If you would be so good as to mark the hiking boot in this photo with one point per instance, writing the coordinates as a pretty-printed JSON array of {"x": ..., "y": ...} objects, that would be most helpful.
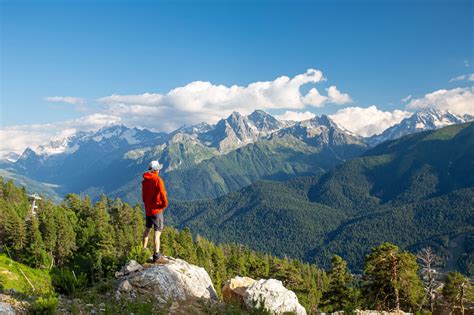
[{"x": 159, "y": 259}]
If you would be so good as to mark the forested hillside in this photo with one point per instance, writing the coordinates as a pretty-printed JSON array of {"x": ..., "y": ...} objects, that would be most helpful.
[
  {"x": 414, "y": 191},
  {"x": 276, "y": 159},
  {"x": 75, "y": 247}
]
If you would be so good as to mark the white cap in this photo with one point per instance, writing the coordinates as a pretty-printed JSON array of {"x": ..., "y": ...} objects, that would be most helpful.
[{"x": 155, "y": 166}]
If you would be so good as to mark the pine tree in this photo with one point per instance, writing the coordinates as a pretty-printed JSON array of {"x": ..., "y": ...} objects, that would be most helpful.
[
  {"x": 48, "y": 227},
  {"x": 13, "y": 228},
  {"x": 65, "y": 221},
  {"x": 456, "y": 291},
  {"x": 128, "y": 226},
  {"x": 185, "y": 246},
  {"x": 35, "y": 254},
  {"x": 391, "y": 279},
  {"x": 339, "y": 295}
]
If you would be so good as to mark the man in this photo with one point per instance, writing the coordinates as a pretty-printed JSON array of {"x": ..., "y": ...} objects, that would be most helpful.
[{"x": 154, "y": 198}]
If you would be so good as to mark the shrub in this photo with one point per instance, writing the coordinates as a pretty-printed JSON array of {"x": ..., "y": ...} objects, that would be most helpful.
[
  {"x": 139, "y": 254},
  {"x": 45, "y": 305},
  {"x": 65, "y": 281}
]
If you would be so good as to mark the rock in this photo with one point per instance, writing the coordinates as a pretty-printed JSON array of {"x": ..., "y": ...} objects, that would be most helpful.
[
  {"x": 131, "y": 266},
  {"x": 6, "y": 309},
  {"x": 275, "y": 297},
  {"x": 267, "y": 293},
  {"x": 176, "y": 280},
  {"x": 125, "y": 286},
  {"x": 233, "y": 291}
]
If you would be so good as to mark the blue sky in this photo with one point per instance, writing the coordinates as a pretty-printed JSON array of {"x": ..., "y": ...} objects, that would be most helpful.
[{"x": 378, "y": 52}]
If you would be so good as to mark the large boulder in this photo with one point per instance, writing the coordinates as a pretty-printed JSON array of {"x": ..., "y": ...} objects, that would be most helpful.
[
  {"x": 233, "y": 290},
  {"x": 267, "y": 293},
  {"x": 175, "y": 280}
]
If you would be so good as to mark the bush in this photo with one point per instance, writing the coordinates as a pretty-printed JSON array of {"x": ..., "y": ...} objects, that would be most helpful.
[
  {"x": 45, "y": 305},
  {"x": 139, "y": 254},
  {"x": 65, "y": 281}
]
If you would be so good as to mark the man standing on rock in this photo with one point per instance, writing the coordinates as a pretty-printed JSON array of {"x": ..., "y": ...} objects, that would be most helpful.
[{"x": 154, "y": 198}]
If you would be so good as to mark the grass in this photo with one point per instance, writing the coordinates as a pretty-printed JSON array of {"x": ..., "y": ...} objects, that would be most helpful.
[{"x": 12, "y": 278}]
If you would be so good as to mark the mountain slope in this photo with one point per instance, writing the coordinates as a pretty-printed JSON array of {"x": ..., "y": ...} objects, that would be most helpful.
[
  {"x": 314, "y": 148},
  {"x": 399, "y": 191}
]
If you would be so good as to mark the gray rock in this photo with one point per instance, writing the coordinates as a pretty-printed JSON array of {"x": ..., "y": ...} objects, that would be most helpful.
[
  {"x": 124, "y": 286},
  {"x": 274, "y": 296},
  {"x": 6, "y": 309},
  {"x": 176, "y": 280},
  {"x": 131, "y": 266}
]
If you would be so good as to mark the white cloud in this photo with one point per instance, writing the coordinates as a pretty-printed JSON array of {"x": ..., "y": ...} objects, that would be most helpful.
[
  {"x": 196, "y": 102},
  {"x": 335, "y": 96},
  {"x": 18, "y": 137},
  {"x": 313, "y": 98},
  {"x": 406, "y": 98},
  {"x": 65, "y": 99},
  {"x": 367, "y": 121},
  {"x": 458, "y": 101},
  {"x": 295, "y": 116},
  {"x": 462, "y": 77},
  {"x": 203, "y": 101}
]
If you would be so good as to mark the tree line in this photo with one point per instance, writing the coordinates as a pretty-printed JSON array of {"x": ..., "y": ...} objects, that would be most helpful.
[{"x": 95, "y": 239}]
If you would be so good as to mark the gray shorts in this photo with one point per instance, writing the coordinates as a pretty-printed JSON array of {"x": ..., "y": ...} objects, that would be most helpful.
[{"x": 155, "y": 221}]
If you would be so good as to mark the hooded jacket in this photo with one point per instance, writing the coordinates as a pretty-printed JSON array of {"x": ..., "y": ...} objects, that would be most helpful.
[{"x": 153, "y": 193}]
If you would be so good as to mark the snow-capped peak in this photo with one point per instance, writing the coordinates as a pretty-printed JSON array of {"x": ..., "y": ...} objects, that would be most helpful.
[{"x": 426, "y": 119}]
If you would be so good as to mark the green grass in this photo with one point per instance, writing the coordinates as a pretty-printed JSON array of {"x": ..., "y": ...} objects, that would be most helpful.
[{"x": 12, "y": 278}]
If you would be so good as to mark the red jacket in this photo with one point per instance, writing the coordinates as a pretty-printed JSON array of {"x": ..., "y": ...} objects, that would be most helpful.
[{"x": 153, "y": 193}]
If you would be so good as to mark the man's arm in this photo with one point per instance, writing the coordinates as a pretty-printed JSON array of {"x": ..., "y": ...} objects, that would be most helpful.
[{"x": 163, "y": 198}]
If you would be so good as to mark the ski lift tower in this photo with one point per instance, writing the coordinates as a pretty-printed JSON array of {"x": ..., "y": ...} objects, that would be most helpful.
[{"x": 33, "y": 198}]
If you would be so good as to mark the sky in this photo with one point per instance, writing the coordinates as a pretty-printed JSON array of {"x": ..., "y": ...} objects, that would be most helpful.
[{"x": 80, "y": 65}]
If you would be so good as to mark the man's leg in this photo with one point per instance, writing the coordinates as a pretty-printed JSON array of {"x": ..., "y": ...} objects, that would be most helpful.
[
  {"x": 157, "y": 241},
  {"x": 145, "y": 237}
]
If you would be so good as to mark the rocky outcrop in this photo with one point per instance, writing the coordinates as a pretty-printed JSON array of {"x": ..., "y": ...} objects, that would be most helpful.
[
  {"x": 267, "y": 293},
  {"x": 175, "y": 280}
]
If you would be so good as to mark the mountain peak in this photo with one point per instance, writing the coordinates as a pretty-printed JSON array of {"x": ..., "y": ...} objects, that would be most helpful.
[{"x": 424, "y": 119}]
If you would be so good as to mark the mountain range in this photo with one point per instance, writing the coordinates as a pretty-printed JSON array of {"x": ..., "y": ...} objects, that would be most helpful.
[
  {"x": 415, "y": 191},
  {"x": 202, "y": 161},
  {"x": 305, "y": 189}
]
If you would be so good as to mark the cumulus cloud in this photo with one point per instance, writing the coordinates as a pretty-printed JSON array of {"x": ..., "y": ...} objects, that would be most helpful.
[
  {"x": 315, "y": 99},
  {"x": 458, "y": 101},
  {"x": 335, "y": 96},
  {"x": 198, "y": 101},
  {"x": 203, "y": 101},
  {"x": 295, "y": 116},
  {"x": 468, "y": 77},
  {"x": 368, "y": 121},
  {"x": 65, "y": 99},
  {"x": 18, "y": 137}
]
